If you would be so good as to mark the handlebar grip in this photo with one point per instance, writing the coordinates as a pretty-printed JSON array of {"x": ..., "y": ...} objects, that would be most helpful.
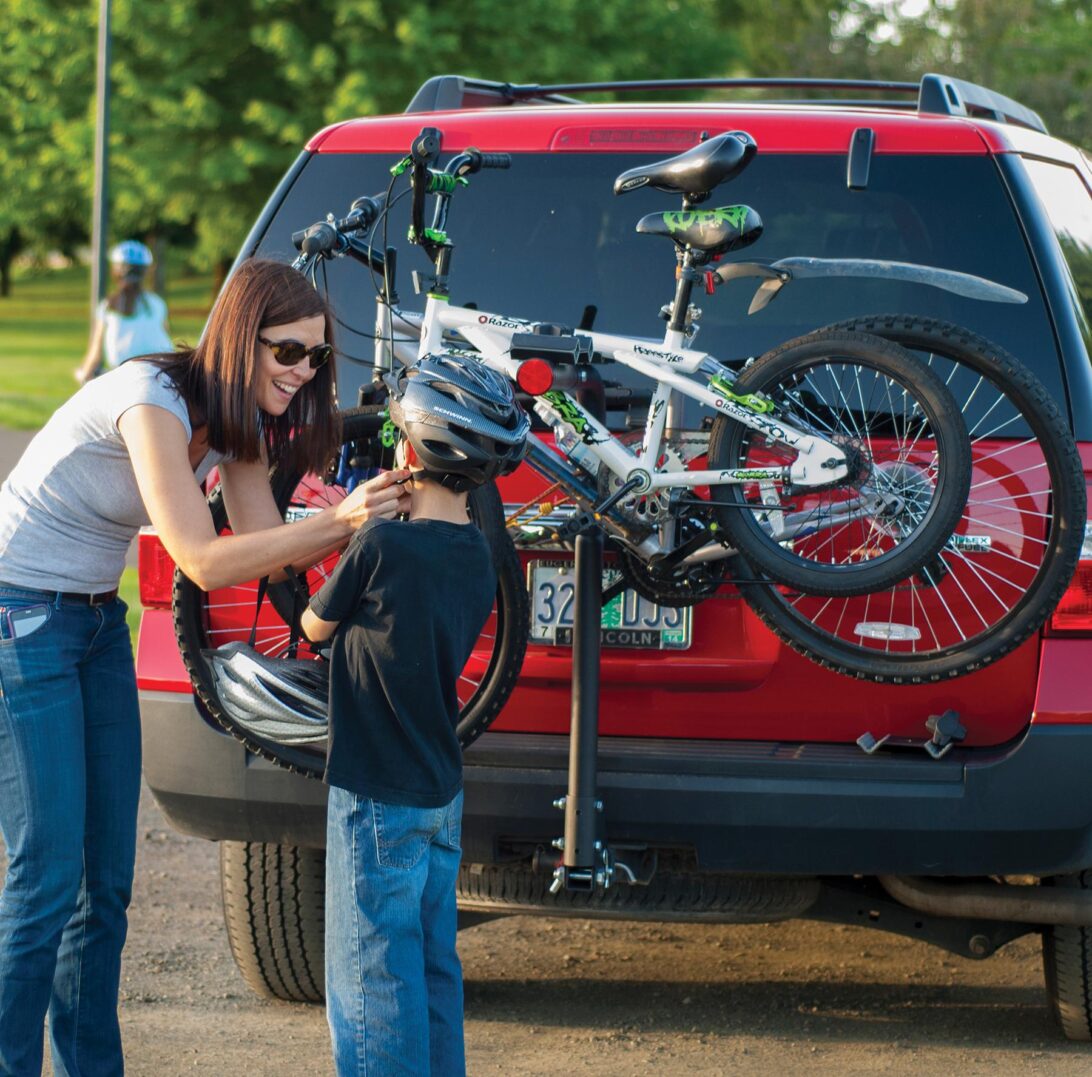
[
  {"x": 496, "y": 160},
  {"x": 318, "y": 239},
  {"x": 362, "y": 213}
]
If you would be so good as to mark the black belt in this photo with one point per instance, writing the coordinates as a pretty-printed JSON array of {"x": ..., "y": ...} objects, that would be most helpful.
[
  {"x": 81, "y": 597},
  {"x": 91, "y": 600}
]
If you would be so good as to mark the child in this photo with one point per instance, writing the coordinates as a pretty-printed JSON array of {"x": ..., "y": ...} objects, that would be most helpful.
[{"x": 405, "y": 606}]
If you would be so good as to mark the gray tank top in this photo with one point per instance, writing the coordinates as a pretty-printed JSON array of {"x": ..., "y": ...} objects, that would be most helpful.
[{"x": 71, "y": 506}]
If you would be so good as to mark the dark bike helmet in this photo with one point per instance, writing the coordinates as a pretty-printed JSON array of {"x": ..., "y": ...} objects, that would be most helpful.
[{"x": 462, "y": 419}]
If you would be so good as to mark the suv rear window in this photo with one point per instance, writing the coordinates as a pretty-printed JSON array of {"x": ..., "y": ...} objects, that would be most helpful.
[
  {"x": 548, "y": 237},
  {"x": 1068, "y": 204}
]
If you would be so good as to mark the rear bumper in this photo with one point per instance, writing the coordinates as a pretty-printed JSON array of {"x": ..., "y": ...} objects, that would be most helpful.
[{"x": 1025, "y": 808}]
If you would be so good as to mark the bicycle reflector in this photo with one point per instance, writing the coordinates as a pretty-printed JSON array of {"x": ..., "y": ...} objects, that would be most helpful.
[{"x": 535, "y": 376}]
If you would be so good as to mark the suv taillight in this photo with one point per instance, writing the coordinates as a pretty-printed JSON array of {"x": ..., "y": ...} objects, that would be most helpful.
[
  {"x": 1073, "y": 615},
  {"x": 156, "y": 570}
]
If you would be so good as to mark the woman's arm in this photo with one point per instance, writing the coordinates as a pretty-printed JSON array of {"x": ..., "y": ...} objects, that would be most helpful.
[
  {"x": 251, "y": 507},
  {"x": 158, "y": 449},
  {"x": 86, "y": 370}
]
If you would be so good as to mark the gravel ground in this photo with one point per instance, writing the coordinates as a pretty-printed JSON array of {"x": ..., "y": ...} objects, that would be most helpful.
[{"x": 548, "y": 995}]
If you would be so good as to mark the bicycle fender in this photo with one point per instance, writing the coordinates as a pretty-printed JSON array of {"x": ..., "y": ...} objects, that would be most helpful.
[{"x": 950, "y": 280}]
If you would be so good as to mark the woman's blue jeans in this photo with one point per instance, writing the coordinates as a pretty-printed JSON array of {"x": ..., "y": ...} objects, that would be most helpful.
[
  {"x": 69, "y": 786},
  {"x": 394, "y": 985}
]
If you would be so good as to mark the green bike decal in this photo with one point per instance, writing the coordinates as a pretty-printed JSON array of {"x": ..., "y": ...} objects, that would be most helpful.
[
  {"x": 751, "y": 401},
  {"x": 568, "y": 411},
  {"x": 388, "y": 434},
  {"x": 432, "y": 235},
  {"x": 681, "y": 220},
  {"x": 744, "y": 475}
]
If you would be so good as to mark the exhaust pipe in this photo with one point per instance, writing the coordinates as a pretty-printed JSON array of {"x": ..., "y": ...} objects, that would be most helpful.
[{"x": 992, "y": 901}]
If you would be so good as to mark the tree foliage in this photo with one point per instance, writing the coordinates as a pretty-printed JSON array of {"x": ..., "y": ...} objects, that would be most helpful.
[{"x": 212, "y": 101}]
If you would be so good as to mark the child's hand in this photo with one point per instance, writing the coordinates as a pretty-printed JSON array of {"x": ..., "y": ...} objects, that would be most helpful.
[{"x": 379, "y": 497}]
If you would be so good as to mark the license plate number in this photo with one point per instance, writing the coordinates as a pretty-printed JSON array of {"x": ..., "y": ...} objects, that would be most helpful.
[{"x": 629, "y": 620}]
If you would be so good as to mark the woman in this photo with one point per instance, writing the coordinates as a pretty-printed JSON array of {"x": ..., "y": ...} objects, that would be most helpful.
[
  {"x": 130, "y": 321},
  {"x": 133, "y": 446}
]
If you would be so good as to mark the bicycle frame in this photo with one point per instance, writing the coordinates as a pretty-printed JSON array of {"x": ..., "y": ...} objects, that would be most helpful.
[
  {"x": 416, "y": 334},
  {"x": 818, "y": 461}
]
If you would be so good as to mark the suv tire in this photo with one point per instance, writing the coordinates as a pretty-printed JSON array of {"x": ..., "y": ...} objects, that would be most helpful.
[
  {"x": 1067, "y": 965},
  {"x": 273, "y": 907}
]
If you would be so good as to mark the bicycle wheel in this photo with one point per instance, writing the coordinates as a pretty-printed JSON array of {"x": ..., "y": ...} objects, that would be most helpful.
[
  {"x": 908, "y": 453},
  {"x": 204, "y": 620},
  {"x": 1014, "y": 550}
]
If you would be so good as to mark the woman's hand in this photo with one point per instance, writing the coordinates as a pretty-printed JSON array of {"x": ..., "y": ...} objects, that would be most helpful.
[{"x": 381, "y": 496}]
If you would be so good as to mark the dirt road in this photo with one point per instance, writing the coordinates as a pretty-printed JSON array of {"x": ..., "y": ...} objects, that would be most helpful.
[{"x": 552, "y": 996}]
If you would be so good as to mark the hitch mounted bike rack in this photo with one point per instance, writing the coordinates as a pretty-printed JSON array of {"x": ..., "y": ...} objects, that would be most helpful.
[{"x": 587, "y": 861}]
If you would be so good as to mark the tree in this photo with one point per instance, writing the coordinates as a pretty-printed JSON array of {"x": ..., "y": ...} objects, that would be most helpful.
[{"x": 45, "y": 91}]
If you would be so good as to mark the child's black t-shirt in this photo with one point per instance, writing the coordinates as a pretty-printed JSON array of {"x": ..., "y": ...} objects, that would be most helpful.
[{"x": 412, "y": 599}]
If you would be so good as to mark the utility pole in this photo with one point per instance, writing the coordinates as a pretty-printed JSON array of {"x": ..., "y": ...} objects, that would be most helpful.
[{"x": 100, "y": 211}]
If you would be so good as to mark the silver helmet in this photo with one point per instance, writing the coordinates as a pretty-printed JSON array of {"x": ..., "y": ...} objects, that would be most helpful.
[{"x": 282, "y": 700}]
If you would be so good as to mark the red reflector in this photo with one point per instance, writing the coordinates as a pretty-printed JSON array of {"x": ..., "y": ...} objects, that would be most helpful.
[
  {"x": 156, "y": 570},
  {"x": 535, "y": 376},
  {"x": 1074, "y": 612}
]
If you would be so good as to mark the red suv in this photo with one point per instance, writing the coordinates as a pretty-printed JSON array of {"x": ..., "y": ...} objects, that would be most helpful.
[{"x": 747, "y": 783}]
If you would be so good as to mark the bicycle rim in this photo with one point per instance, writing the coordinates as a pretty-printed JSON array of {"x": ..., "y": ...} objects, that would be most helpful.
[
  {"x": 907, "y": 451},
  {"x": 1014, "y": 549}
]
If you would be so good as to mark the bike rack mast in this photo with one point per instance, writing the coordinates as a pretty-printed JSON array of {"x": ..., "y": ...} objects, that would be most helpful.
[
  {"x": 586, "y": 862},
  {"x": 582, "y": 847}
]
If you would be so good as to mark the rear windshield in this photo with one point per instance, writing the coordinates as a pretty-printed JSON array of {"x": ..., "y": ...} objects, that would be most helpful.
[
  {"x": 1068, "y": 204},
  {"x": 548, "y": 238}
]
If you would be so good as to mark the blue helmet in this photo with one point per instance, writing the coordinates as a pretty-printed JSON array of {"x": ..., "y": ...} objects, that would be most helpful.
[{"x": 131, "y": 253}]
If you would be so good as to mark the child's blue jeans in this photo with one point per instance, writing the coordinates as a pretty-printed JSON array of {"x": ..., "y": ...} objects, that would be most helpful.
[{"x": 394, "y": 985}]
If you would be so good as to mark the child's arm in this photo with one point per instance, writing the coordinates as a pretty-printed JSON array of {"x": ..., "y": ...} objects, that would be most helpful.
[
  {"x": 339, "y": 596},
  {"x": 315, "y": 628}
]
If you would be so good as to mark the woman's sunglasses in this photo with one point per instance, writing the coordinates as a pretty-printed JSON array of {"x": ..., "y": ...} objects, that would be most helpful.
[{"x": 290, "y": 352}]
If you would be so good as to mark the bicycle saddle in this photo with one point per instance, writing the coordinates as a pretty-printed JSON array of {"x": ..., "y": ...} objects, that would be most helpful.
[
  {"x": 715, "y": 231},
  {"x": 697, "y": 171}
]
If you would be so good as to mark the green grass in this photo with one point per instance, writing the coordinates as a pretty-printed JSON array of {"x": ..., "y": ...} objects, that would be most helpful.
[
  {"x": 44, "y": 329},
  {"x": 129, "y": 589}
]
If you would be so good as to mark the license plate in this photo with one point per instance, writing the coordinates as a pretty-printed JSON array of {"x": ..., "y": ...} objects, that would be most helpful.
[{"x": 628, "y": 619}]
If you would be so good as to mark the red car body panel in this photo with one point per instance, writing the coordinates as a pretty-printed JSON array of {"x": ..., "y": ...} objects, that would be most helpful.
[{"x": 662, "y": 130}]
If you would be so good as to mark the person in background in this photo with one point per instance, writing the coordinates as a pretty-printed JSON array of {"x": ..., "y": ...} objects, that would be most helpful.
[{"x": 130, "y": 321}]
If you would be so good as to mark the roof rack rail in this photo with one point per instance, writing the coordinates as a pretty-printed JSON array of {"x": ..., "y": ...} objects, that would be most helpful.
[
  {"x": 444, "y": 93},
  {"x": 937, "y": 94},
  {"x": 954, "y": 97}
]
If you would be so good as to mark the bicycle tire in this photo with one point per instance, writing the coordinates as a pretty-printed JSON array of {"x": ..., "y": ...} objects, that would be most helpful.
[
  {"x": 1054, "y": 507},
  {"x": 200, "y": 623},
  {"x": 909, "y": 438}
]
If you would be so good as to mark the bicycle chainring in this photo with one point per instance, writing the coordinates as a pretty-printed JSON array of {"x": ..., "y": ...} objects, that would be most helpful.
[
  {"x": 685, "y": 585},
  {"x": 651, "y": 509}
]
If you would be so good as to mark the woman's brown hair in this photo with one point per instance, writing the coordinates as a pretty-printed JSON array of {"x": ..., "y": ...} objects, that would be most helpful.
[{"x": 217, "y": 378}]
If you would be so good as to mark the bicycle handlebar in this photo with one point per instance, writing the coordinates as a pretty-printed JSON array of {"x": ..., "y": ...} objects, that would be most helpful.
[
  {"x": 327, "y": 236},
  {"x": 426, "y": 180}
]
